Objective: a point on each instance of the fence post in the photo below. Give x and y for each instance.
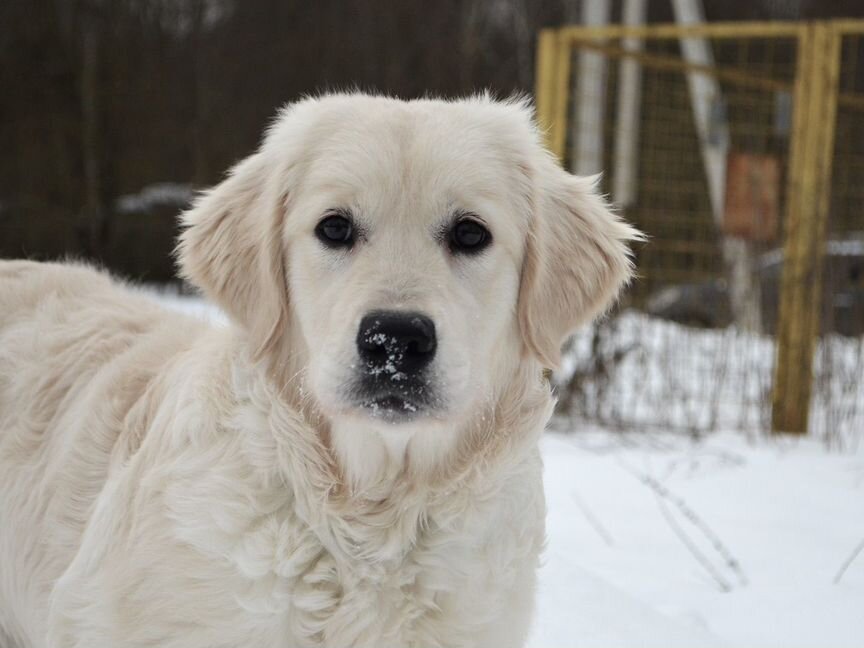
(563, 54)
(544, 92)
(553, 74)
(807, 206)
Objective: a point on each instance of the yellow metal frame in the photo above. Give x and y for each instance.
(816, 98)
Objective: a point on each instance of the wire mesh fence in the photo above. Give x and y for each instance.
(838, 394)
(695, 130)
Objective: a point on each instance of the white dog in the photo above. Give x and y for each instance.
(353, 461)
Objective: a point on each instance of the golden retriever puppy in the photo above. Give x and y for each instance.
(353, 461)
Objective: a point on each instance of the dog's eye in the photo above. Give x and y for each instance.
(468, 236)
(335, 230)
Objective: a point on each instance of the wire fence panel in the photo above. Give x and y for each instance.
(706, 139)
(838, 395)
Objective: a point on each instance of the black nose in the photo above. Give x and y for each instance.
(392, 342)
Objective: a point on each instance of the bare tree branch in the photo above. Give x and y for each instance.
(848, 562)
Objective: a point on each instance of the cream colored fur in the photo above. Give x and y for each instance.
(167, 483)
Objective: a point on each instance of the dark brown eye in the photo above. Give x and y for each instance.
(467, 236)
(335, 230)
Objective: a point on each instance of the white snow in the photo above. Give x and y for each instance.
(171, 297)
(660, 540)
(643, 373)
(617, 574)
(170, 194)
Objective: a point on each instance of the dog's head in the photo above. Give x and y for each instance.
(406, 256)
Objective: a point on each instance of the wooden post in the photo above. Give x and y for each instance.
(807, 205)
(625, 176)
(544, 92)
(553, 74)
(589, 96)
(558, 136)
(705, 93)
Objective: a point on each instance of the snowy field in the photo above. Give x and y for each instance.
(657, 540)
(661, 541)
(639, 372)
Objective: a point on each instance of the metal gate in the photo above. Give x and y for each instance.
(739, 149)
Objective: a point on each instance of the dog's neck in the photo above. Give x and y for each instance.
(367, 460)
(388, 487)
(372, 455)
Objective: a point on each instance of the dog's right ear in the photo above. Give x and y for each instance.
(231, 248)
(577, 258)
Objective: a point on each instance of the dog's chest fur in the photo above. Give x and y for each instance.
(309, 566)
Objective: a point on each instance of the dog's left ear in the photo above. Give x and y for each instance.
(231, 248)
(577, 259)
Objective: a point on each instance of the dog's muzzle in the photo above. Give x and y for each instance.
(395, 349)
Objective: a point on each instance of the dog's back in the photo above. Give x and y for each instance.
(66, 330)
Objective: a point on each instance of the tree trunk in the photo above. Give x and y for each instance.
(94, 215)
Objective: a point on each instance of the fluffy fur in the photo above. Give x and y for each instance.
(167, 483)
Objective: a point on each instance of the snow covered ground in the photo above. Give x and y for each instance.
(657, 540)
(640, 372)
(632, 526)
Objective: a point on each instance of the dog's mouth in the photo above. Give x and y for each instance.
(394, 403)
(393, 408)
(399, 397)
